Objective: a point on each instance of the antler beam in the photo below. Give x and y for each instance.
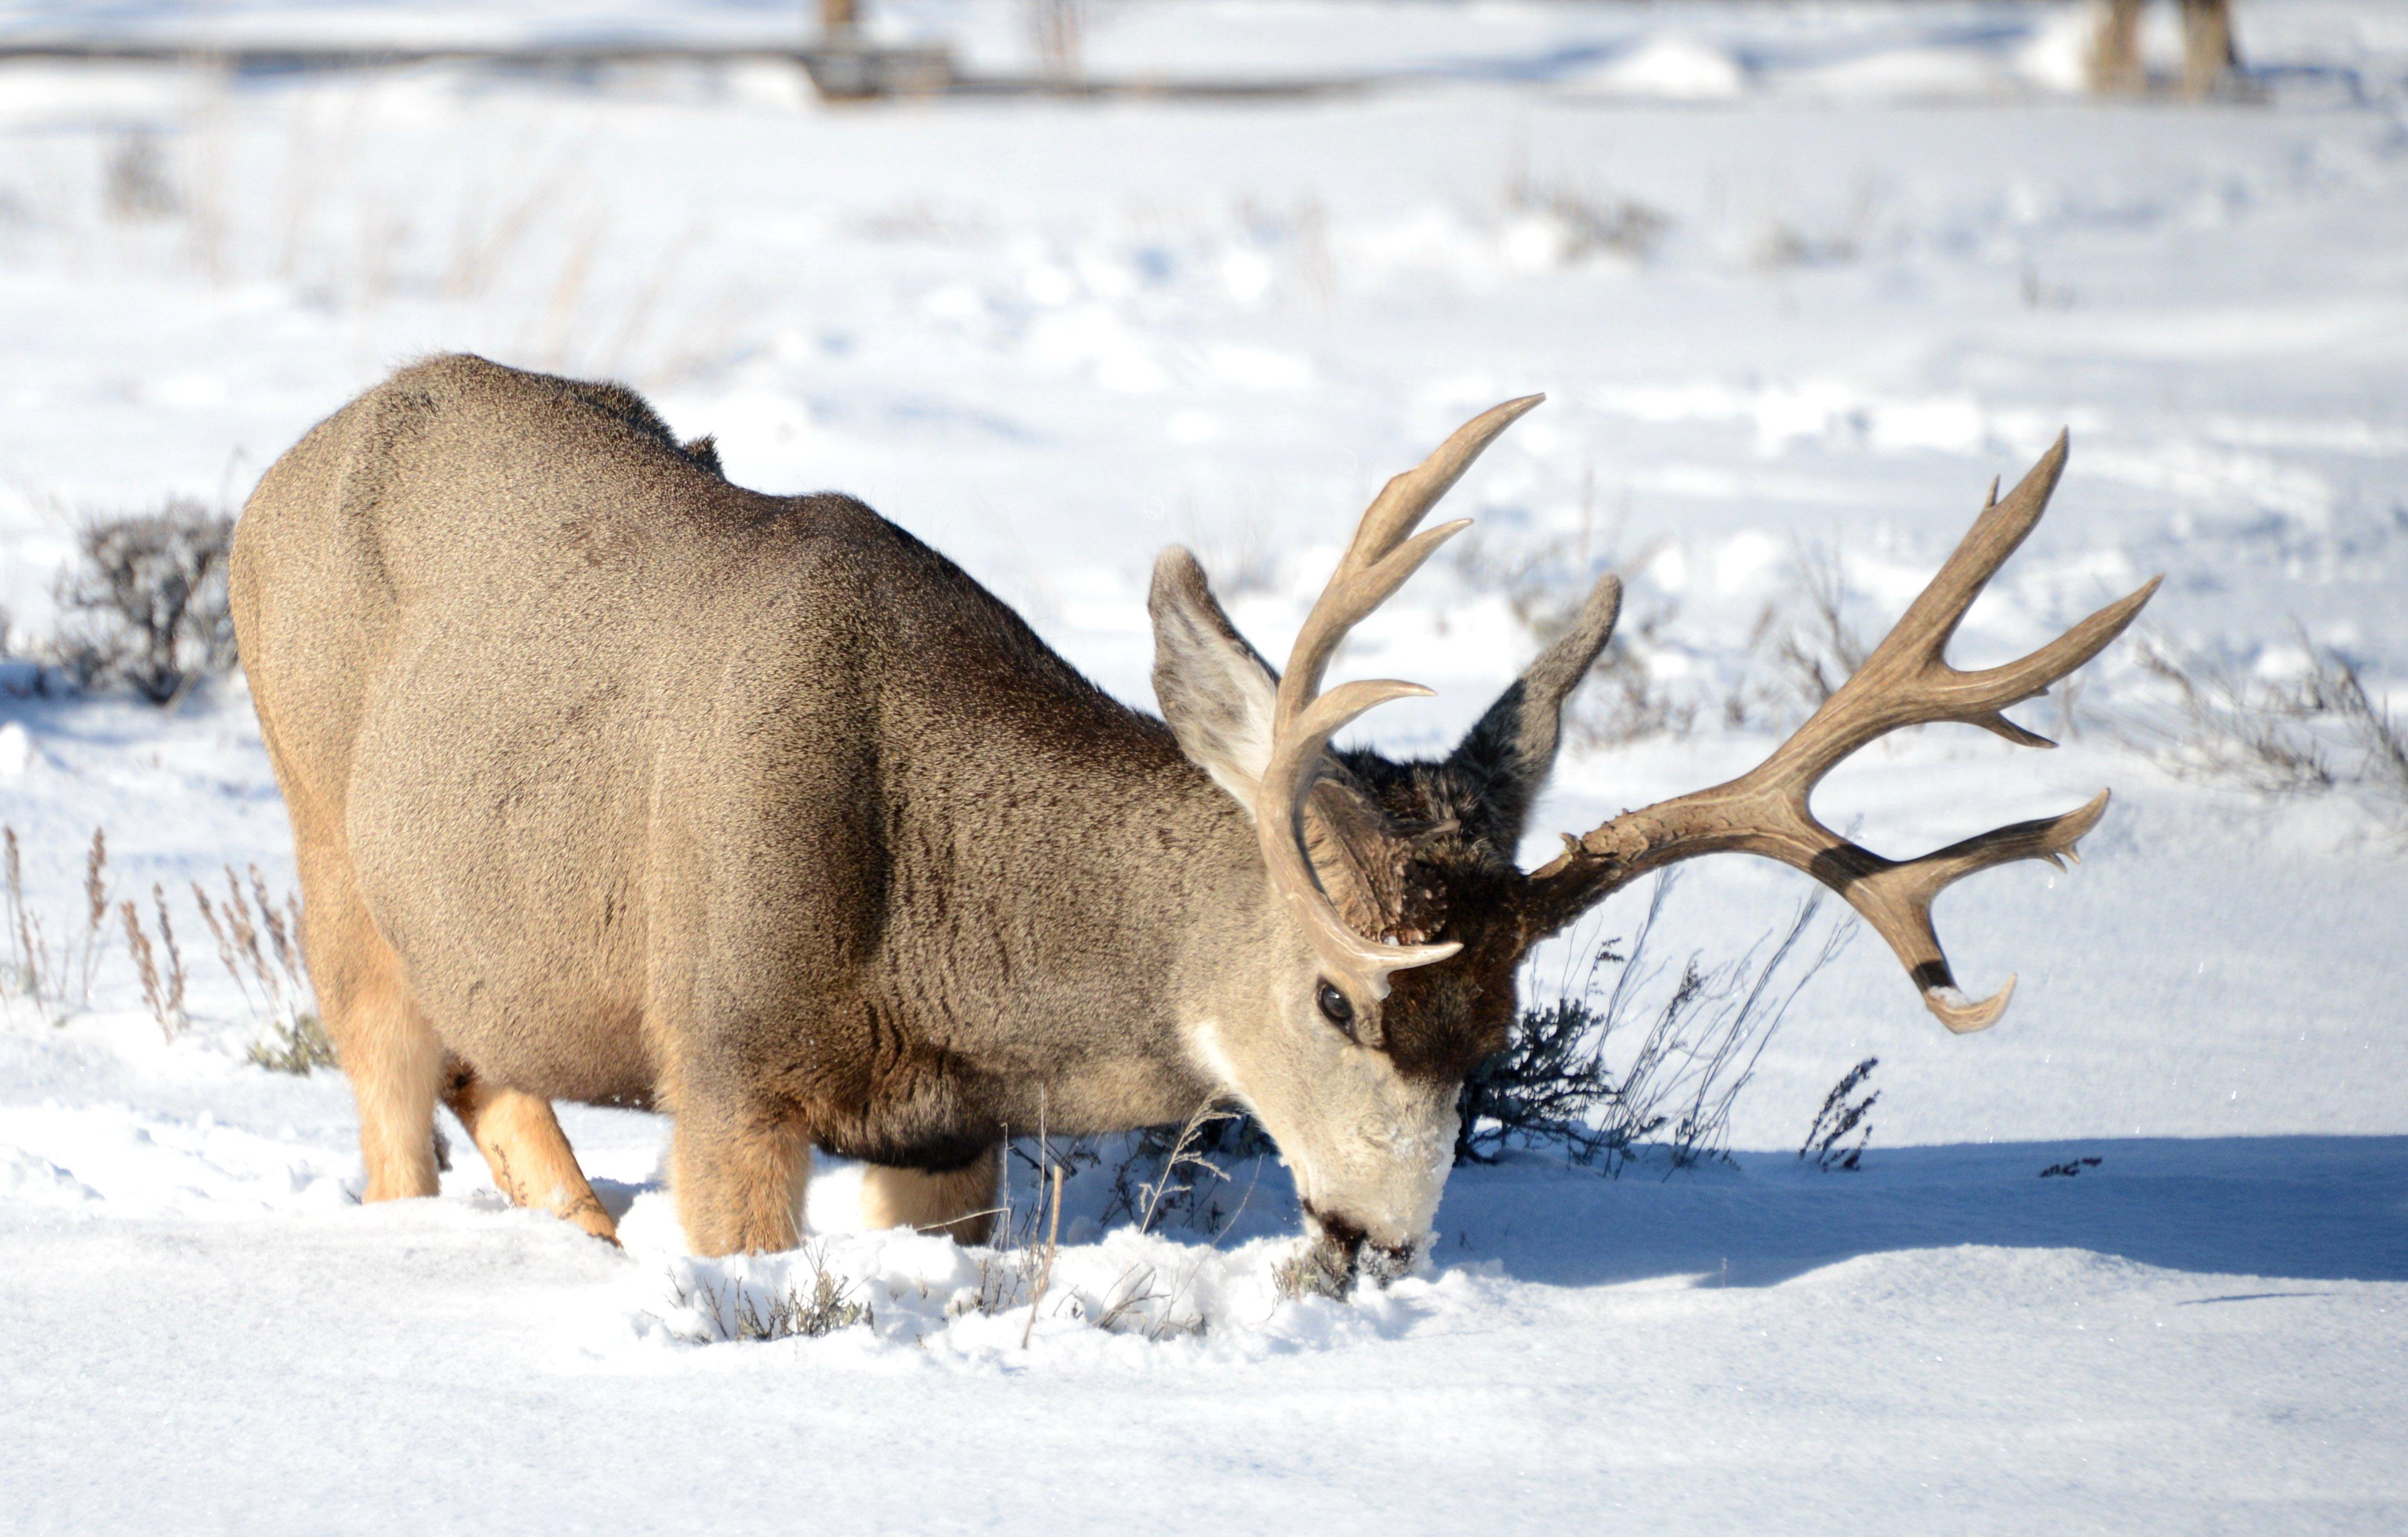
(1906, 681)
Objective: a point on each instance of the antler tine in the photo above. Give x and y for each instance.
(1896, 898)
(1407, 499)
(1907, 681)
(2011, 682)
(1932, 618)
(1377, 561)
(1349, 598)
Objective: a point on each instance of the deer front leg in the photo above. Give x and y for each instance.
(739, 1168)
(522, 1141)
(959, 1202)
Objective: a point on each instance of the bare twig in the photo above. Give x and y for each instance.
(147, 969)
(225, 945)
(175, 977)
(1053, 1246)
(95, 894)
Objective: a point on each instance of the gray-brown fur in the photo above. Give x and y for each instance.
(664, 791)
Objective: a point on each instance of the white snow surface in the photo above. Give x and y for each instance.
(1793, 278)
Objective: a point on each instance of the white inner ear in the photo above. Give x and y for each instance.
(1218, 696)
(1237, 755)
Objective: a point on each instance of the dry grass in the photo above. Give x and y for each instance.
(300, 1045)
(1804, 645)
(1235, 553)
(1625, 700)
(1018, 1268)
(734, 1311)
(1316, 1269)
(36, 973)
(1562, 1082)
(135, 181)
(163, 997)
(1045, 1260)
(1057, 29)
(282, 987)
(1845, 1111)
(258, 943)
(2315, 731)
(96, 917)
(1593, 224)
(1187, 1166)
(533, 249)
(1818, 649)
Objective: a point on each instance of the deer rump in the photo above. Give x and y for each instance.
(610, 780)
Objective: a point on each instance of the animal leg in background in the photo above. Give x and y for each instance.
(959, 1202)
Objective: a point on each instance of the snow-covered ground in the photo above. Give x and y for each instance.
(1798, 280)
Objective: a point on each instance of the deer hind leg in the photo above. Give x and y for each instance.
(388, 1049)
(959, 1202)
(522, 1141)
(740, 1174)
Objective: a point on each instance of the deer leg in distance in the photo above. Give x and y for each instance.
(2208, 53)
(2115, 49)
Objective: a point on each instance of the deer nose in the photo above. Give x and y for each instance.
(1359, 1257)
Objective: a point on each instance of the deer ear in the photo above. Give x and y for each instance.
(1216, 691)
(1511, 749)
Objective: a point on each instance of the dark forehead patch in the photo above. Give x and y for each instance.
(1440, 1021)
(1418, 794)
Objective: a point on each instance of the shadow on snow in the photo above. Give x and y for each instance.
(2300, 1208)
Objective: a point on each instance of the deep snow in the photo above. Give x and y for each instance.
(1887, 257)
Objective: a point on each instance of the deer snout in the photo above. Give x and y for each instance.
(1349, 1250)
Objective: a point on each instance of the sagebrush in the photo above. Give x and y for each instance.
(1565, 1082)
(144, 607)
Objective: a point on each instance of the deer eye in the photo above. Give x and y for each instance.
(1335, 1008)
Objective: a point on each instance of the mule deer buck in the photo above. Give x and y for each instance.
(613, 782)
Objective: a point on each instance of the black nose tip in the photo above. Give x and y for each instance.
(1338, 1232)
(1356, 1256)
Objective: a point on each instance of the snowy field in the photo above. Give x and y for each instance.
(1798, 281)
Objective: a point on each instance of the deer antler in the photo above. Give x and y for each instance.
(1906, 681)
(1377, 562)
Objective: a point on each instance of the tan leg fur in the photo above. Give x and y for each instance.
(388, 1049)
(740, 1188)
(960, 1203)
(531, 1159)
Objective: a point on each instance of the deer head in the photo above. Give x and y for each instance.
(1395, 915)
